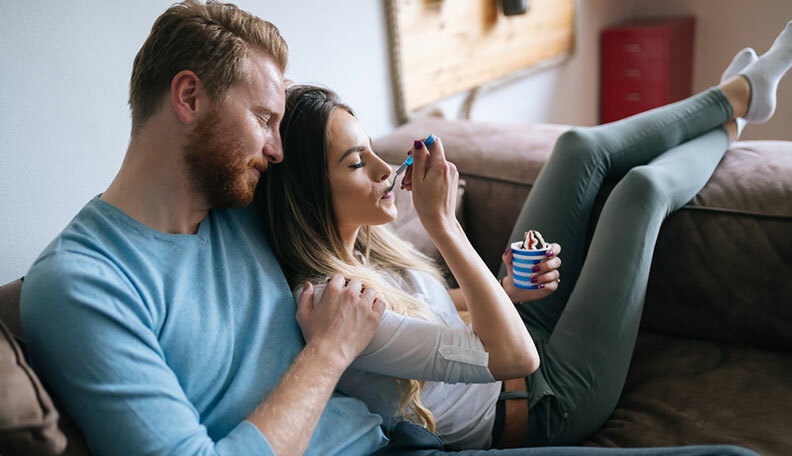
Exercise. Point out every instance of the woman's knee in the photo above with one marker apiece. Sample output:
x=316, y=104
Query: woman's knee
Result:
x=576, y=144
x=645, y=184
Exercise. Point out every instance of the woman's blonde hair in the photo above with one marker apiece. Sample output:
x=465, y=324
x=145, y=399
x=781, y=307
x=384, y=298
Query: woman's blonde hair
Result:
x=295, y=201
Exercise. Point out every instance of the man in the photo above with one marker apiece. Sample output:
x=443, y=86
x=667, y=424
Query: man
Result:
x=159, y=316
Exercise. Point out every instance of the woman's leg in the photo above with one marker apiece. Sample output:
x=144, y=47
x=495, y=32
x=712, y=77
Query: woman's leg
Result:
x=560, y=203
x=584, y=361
x=585, y=351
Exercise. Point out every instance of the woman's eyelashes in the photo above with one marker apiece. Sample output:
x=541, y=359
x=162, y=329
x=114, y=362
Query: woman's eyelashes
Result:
x=363, y=163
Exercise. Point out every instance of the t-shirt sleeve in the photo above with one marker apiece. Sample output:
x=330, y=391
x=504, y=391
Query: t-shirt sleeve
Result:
x=407, y=347
x=93, y=341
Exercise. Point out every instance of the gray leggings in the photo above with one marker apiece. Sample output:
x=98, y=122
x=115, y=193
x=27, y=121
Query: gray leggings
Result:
x=585, y=332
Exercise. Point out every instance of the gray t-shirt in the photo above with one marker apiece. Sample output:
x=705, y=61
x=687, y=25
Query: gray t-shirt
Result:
x=460, y=390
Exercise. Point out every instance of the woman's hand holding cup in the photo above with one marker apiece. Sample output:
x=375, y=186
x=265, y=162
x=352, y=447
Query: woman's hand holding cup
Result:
x=544, y=274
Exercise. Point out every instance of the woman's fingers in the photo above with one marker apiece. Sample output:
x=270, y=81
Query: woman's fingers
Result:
x=407, y=179
x=508, y=260
x=438, y=154
x=423, y=161
x=547, y=265
x=548, y=287
x=550, y=277
x=420, y=157
x=406, y=183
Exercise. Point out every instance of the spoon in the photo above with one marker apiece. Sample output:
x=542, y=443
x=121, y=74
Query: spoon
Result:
x=428, y=142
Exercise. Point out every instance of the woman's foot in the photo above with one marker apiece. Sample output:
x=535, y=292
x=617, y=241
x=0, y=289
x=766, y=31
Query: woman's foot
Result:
x=764, y=74
x=743, y=58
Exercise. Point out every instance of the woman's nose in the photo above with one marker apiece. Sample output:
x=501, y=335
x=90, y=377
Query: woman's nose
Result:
x=388, y=172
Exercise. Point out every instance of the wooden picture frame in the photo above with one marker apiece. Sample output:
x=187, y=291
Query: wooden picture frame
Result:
x=439, y=48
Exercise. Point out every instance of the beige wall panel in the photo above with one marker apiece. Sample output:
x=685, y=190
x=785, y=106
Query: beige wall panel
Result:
x=449, y=46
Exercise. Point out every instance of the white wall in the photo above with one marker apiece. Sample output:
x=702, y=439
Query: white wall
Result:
x=723, y=27
x=64, y=75
x=568, y=93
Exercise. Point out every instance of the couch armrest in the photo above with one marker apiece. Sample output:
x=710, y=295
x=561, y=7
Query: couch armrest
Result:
x=9, y=307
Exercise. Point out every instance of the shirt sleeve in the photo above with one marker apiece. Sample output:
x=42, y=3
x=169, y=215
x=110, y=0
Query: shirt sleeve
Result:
x=92, y=340
x=407, y=347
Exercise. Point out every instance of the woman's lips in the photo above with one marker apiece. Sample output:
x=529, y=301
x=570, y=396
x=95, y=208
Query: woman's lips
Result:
x=388, y=195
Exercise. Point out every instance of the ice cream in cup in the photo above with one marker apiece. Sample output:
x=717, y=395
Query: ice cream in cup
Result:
x=525, y=255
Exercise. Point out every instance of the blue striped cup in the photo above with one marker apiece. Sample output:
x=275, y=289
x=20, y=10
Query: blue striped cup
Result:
x=522, y=262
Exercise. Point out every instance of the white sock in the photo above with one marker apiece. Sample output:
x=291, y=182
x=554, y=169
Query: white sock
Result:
x=743, y=58
x=764, y=74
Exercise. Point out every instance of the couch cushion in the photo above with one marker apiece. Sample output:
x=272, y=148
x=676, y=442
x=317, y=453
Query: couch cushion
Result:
x=722, y=264
x=28, y=420
x=686, y=391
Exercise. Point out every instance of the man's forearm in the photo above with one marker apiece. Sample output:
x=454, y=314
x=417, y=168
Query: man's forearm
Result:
x=288, y=416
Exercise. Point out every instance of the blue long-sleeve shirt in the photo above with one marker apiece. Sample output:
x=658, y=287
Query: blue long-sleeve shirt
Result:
x=164, y=343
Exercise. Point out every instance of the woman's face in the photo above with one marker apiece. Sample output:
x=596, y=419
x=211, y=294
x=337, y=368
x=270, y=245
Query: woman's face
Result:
x=358, y=177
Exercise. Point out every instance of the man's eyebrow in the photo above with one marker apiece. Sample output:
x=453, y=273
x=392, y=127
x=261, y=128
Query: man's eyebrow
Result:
x=351, y=151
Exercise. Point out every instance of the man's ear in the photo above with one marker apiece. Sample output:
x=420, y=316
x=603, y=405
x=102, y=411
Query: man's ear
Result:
x=186, y=96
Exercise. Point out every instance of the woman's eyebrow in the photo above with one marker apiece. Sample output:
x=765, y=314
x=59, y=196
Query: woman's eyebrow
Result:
x=350, y=151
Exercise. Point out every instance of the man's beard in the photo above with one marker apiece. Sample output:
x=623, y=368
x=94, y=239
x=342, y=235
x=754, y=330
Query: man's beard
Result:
x=212, y=156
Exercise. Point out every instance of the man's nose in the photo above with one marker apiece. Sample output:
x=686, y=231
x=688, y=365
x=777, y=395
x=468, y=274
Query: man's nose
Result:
x=274, y=150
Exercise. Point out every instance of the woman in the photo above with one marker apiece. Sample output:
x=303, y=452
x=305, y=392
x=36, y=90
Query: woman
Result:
x=326, y=203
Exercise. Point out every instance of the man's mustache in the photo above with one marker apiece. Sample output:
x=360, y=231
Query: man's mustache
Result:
x=261, y=165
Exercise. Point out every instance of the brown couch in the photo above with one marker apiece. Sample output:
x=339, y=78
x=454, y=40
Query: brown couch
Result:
x=713, y=363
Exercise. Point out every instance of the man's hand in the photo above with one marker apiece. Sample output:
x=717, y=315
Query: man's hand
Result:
x=342, y=323
x=546, y=276
x=336, y=330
